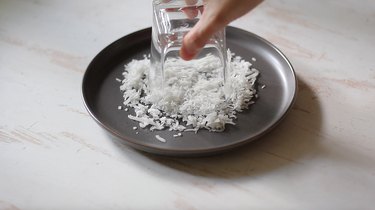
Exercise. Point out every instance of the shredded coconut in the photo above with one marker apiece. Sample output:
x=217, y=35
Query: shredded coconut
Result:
x=193, y=96
x=160, y=138
x=177, y=135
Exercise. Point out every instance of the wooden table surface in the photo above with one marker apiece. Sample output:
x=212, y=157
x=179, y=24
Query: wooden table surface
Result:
x=54, y=156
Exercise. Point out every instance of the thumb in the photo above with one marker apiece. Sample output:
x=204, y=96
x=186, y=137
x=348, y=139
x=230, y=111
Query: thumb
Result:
x=196, y=38
x=216, y=16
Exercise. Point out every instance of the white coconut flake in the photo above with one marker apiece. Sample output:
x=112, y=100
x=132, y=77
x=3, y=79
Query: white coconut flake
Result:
x=135, y=128
x=160, y=138
x=193, y=96
x=177, y=135
x=119, y=107
x=118, y=80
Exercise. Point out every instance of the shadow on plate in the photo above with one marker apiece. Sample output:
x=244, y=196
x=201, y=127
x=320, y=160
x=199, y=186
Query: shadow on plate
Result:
x=295, y=137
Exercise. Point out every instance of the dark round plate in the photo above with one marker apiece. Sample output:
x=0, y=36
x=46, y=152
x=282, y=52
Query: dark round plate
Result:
x=102, y=96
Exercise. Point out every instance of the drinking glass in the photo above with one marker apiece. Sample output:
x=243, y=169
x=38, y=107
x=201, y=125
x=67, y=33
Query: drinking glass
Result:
x=172, y=20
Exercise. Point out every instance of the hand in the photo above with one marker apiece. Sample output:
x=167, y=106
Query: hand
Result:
x=216, y=15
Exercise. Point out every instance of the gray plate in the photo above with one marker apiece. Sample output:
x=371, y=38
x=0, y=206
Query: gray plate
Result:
x=102, y=96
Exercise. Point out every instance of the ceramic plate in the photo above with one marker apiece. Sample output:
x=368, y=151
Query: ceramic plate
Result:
x=102, y=96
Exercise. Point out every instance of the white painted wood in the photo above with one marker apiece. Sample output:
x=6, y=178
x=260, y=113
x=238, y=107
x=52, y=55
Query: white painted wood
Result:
x=54, y=156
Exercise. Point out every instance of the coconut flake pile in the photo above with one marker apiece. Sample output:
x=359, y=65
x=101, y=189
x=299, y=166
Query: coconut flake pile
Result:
x=193, y=95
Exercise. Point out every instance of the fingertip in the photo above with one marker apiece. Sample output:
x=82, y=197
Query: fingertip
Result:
x=185, y=54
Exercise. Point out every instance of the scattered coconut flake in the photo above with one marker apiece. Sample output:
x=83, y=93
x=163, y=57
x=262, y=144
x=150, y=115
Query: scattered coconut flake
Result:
x=253, y=59
x=177, y=135
x=135, y=128
x=137, y=132
x=160, y=138
x=118, y=80
x=126, y=109
x=193, y=96
x=119, y=107
x=263, y=86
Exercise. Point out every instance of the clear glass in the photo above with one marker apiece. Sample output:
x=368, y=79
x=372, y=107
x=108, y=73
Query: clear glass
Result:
x=172, y=20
